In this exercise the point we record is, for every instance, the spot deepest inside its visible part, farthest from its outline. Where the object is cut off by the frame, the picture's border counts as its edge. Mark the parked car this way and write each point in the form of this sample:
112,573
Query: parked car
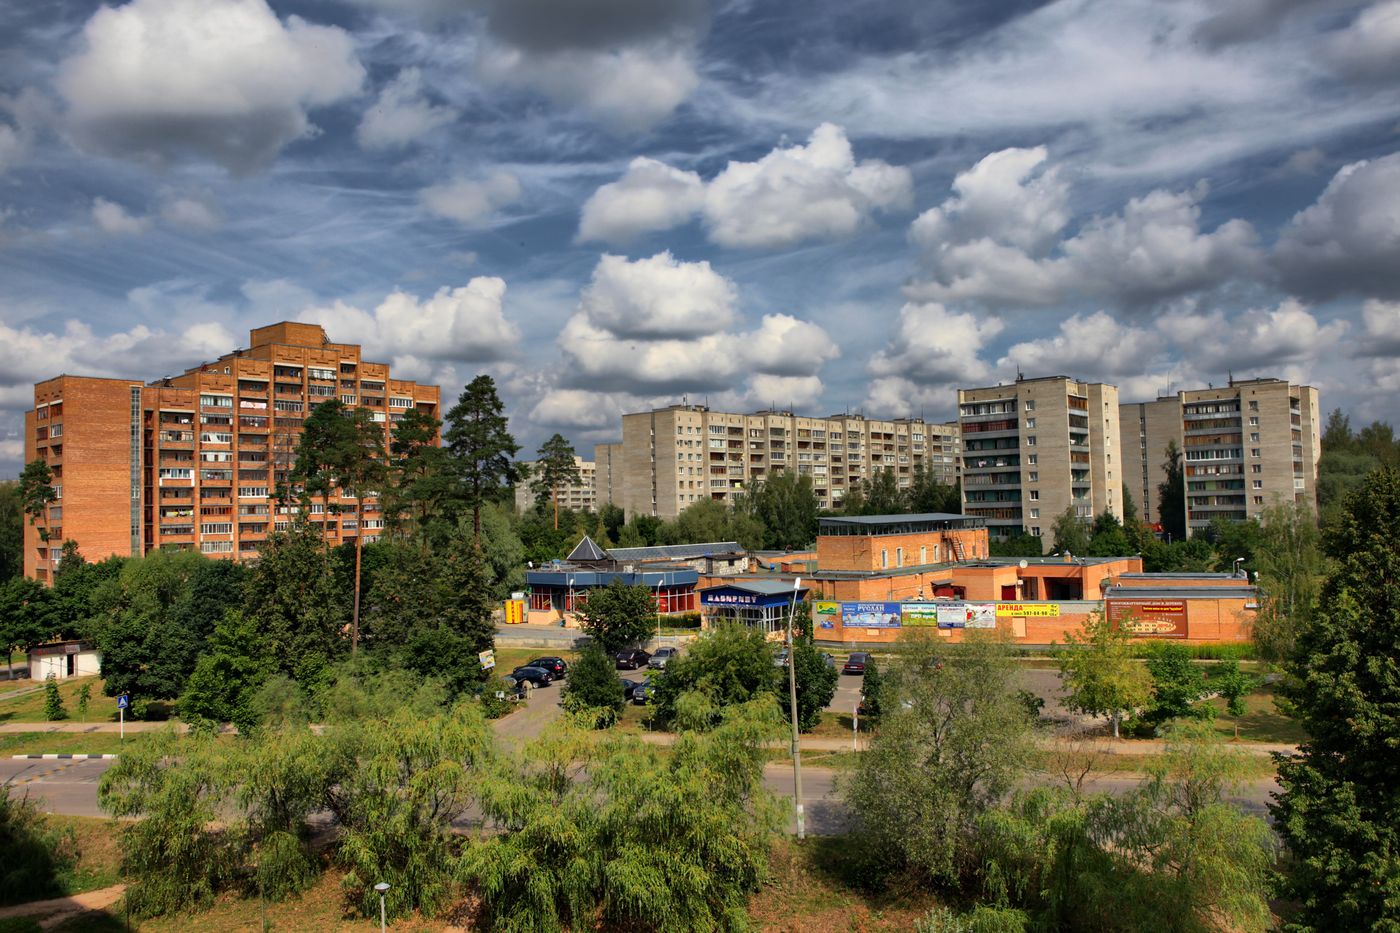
663,655
536,676
642,693
515,689
629,686
631,659
780,659
855,664
556,666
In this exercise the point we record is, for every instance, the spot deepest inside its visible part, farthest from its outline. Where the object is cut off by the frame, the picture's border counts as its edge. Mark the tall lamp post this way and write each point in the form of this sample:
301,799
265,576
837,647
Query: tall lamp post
382,887
792,698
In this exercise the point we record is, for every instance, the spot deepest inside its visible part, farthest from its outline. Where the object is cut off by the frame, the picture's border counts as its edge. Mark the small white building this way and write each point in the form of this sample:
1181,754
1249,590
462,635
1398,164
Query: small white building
64,659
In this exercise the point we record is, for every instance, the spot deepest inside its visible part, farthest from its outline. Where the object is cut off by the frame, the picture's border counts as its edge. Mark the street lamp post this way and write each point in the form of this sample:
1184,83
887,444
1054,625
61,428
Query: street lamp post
792,698
382,887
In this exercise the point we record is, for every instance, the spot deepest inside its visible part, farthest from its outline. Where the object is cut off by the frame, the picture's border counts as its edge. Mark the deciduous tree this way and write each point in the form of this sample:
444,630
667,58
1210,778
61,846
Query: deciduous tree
594,686
618,615
1100,676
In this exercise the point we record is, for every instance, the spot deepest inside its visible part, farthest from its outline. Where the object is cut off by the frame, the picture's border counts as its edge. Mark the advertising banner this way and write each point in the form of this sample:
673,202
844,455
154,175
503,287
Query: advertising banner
1149,618
952,615
870,615
1029,610
824,608
921,614
981,615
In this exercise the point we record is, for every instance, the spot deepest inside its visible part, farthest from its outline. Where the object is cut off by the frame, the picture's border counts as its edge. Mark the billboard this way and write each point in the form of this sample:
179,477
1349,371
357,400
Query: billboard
921,614
870,615
1149,618
1029,610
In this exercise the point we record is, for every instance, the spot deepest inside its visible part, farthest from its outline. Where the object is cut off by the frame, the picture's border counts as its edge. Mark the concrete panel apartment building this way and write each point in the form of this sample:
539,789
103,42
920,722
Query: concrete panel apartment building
581,496
1036,447
670,458
1244,446
193,461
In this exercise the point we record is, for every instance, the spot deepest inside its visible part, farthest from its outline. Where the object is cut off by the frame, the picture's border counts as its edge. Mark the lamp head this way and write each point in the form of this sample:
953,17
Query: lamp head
381,887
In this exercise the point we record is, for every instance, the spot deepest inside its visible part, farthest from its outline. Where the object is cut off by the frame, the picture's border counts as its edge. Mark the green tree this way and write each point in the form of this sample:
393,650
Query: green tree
1232,684
594,686
1132,523
953,740
1109,537
326,434
84,698
1290,573
786,505
505,552
1171,495
1099,673
555,469
613,518
24,609
480,446
729,666
1071,533
618,615
1339,809
418,466
39,856
228,676
872,690
882,494
816,684
928,492
1177,685
36,492
11,531
295,605
465,579
1017,545
53,701
362,471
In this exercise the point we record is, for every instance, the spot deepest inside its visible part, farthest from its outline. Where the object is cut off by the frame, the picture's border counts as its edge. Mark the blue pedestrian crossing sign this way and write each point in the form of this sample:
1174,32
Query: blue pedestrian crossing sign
124,702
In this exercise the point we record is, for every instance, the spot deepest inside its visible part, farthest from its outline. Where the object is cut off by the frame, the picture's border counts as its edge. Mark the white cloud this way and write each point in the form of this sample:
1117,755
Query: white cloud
650,196
1370,47
1382,322
1097,345
802,192
998,240
1349,239
658,325
402,115
191,213
223,80
934,350
796,393
579,409
465,324
112,218
471,202
658,297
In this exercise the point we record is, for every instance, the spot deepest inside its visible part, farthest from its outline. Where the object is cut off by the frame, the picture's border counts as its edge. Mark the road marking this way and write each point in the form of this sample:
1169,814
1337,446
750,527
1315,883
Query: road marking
61,757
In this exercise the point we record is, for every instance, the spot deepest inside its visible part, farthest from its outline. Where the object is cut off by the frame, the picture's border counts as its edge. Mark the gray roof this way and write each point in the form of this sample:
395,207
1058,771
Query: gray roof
893,519
676,551
1166,577
761,587
1182,592
586,551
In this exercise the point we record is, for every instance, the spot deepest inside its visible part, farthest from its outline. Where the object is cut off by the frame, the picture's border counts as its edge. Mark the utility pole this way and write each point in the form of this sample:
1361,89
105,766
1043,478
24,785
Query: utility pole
792,697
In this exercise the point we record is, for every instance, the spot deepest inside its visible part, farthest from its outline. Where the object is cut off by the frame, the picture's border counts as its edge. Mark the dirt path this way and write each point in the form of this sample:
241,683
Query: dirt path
56,911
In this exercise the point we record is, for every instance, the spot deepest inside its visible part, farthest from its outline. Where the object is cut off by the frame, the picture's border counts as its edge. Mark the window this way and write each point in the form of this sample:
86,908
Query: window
216,401
1035,495
1254,451
176,473
281,405
1030,424
1258,484
1258,500
397,402
1034,476
1256,468
1254,421
923,555
1031,459
216,528
1254,438
1253,405
1036,531
899,557
216,547
252,492
1030,404
1035,513
56,431
884,559
1030,441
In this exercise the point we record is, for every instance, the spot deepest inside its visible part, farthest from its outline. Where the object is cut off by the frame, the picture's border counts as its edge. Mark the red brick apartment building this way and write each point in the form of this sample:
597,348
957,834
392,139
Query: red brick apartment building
192,461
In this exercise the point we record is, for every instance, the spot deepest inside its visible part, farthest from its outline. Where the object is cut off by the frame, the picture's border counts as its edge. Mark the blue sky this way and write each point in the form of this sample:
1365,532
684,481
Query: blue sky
609,204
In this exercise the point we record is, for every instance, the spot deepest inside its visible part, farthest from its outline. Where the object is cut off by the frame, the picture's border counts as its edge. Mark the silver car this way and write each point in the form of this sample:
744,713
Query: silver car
658,660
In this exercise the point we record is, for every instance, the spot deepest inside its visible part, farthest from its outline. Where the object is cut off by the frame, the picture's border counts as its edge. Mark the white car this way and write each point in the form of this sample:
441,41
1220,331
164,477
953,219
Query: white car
658,660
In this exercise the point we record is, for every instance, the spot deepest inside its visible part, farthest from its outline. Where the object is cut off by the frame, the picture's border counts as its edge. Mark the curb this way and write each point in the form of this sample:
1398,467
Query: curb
61,757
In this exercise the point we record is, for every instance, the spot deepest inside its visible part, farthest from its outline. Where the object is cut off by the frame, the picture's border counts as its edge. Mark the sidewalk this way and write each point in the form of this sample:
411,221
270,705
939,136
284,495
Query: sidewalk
63,908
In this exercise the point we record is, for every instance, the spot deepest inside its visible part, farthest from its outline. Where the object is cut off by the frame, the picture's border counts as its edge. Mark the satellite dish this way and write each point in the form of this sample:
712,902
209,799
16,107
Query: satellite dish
1023,564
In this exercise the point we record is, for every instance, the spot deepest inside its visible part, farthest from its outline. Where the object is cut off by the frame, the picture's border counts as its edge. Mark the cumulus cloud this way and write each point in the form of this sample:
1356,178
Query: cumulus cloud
1369,49
650,196
999,239
934,350
189,212
1095,343
1382,323
471,202
222,80
802,192
402,114
656,325
1349,239
1218,341
111,218
465,324
658,298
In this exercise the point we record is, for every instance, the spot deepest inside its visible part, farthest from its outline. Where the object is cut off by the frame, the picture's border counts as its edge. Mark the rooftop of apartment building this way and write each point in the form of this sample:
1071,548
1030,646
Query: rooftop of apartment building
281,334
788,413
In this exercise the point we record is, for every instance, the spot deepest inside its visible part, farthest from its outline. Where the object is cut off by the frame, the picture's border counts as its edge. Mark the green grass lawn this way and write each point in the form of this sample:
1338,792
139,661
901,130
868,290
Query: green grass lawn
1262,721
30,708
65,743
508,659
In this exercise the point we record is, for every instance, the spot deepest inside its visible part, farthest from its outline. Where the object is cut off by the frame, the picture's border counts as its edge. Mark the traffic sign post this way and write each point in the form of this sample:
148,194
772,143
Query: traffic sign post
488,659
123,702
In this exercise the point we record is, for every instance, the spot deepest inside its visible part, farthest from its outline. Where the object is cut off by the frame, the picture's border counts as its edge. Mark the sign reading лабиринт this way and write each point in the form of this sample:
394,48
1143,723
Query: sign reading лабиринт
1149,618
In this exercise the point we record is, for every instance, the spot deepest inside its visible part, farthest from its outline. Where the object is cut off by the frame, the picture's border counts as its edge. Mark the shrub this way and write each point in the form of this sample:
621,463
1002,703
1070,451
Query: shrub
593,685
53,701
980,919
37,857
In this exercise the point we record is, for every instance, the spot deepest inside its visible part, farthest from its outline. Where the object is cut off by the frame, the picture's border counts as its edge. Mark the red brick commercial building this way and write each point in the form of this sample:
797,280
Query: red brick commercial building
192,461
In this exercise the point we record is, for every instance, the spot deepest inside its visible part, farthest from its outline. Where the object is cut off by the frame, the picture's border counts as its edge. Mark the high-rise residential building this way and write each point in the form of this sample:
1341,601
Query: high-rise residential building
581,496
193,461
1244,446
671,458
1037,447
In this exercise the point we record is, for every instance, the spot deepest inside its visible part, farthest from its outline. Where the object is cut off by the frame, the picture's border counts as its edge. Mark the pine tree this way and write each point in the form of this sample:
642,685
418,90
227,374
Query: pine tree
480,446
1339,809
1171,495
53,701
465,582
556,468
36,492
